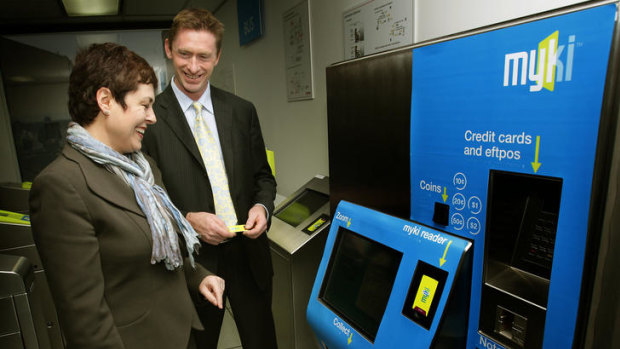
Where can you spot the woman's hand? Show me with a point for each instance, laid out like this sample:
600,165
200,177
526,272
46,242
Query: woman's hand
212,288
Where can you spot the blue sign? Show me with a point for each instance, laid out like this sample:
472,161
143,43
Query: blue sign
250,19
524,99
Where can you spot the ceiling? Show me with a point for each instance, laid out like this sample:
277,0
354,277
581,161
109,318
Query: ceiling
43,16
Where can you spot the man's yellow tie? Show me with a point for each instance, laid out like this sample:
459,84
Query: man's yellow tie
215,169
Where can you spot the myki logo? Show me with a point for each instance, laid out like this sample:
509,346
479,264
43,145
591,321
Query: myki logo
543,67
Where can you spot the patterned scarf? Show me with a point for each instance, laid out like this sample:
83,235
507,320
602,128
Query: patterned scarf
161,214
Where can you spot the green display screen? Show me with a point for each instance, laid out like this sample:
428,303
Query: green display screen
302,207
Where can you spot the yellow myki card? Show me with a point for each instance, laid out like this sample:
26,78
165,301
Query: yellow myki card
319,222
236,228
13,217
424,297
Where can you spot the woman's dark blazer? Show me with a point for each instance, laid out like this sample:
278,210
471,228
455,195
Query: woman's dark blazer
95,244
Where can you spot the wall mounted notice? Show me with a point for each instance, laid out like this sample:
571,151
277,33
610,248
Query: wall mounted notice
377,25
298,52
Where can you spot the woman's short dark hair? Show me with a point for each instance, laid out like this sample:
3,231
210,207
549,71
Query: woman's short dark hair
105,65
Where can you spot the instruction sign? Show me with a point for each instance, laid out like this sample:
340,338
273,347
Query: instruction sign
377,25
524,99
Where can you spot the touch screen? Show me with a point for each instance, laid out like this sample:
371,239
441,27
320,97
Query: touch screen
359,279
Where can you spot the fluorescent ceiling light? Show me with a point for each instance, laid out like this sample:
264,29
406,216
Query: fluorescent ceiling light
91,7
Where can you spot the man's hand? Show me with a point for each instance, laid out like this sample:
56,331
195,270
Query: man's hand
212,288
210,227
256,223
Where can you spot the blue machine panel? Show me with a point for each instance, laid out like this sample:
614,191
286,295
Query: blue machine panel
382,281
515,106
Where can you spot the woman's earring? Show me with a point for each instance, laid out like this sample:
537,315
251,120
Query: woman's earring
106,112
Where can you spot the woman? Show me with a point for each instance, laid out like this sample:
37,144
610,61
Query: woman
117,253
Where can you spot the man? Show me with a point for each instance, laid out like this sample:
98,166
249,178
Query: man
214,166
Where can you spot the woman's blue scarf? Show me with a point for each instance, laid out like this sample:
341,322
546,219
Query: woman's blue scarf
163,217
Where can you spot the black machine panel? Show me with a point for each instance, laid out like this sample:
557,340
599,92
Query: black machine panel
368,110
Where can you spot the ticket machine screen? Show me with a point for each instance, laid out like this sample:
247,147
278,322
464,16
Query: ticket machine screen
359,279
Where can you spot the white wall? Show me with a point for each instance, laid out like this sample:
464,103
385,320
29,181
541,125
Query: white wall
297,131
437,18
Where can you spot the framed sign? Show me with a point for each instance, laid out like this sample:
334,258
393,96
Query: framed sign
377,25
298,52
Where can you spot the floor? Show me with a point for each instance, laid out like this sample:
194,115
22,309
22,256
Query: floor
229,338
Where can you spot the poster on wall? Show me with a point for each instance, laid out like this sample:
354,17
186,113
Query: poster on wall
377,25
298,52
523,100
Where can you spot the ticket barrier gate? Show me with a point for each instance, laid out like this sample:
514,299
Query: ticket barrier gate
21,323
296,237
386,282
14,197
17,240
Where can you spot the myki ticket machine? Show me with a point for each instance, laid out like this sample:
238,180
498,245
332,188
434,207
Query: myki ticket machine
386,282
508,129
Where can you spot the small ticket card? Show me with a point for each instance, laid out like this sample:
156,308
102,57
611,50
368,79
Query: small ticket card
236,228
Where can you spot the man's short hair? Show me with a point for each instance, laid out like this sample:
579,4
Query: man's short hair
196,19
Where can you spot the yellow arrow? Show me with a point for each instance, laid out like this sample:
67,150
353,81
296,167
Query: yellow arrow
442,260
445,195
536,164
350,337
349,222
